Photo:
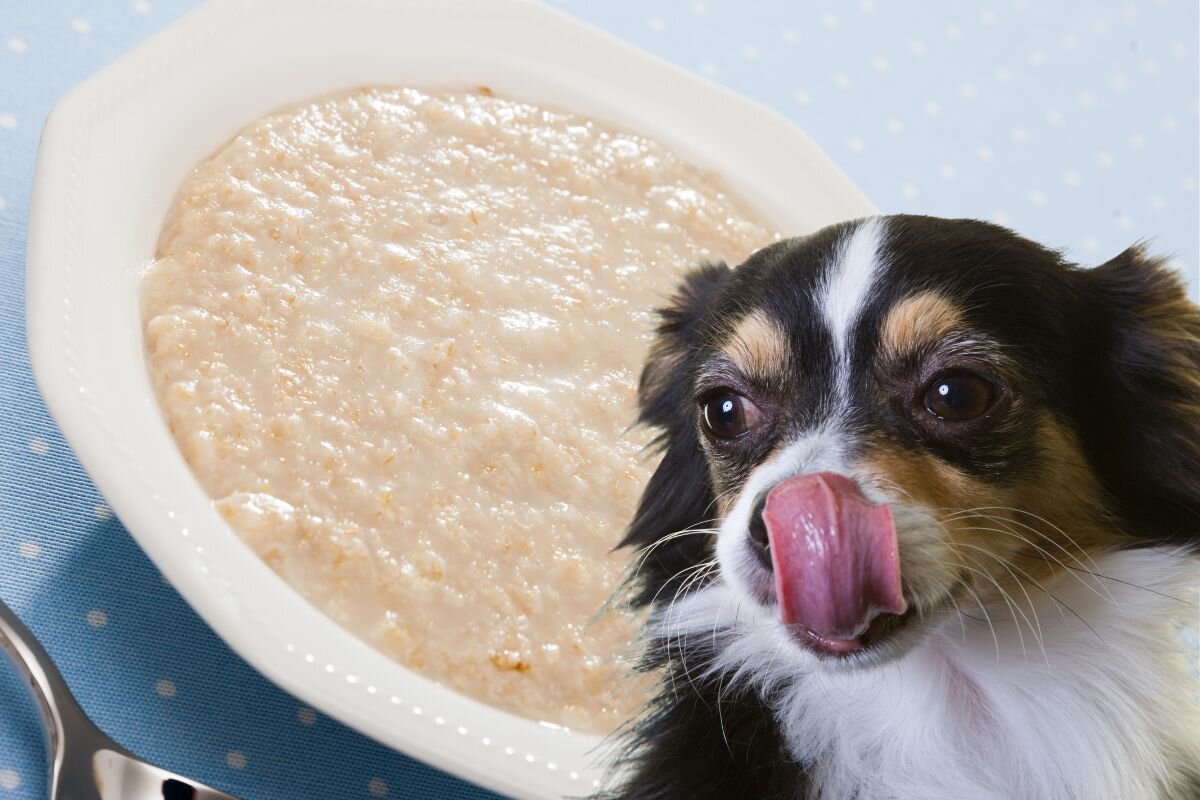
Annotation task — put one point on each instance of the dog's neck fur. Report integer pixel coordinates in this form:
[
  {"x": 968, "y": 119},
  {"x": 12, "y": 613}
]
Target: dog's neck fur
[{"x": 1086, "y": 691}]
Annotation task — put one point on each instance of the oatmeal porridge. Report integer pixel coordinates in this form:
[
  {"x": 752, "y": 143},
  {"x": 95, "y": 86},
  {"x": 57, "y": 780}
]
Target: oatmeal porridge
[{"x": 396, "y": 336}]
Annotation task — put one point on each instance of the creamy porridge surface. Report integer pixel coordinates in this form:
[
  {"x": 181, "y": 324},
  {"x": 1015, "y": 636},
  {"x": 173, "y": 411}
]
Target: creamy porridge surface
[{"x": 397, "y": 336}]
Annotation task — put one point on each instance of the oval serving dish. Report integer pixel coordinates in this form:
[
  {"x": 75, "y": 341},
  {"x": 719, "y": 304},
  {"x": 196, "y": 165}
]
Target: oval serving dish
[{"x": 112, "y": 156}]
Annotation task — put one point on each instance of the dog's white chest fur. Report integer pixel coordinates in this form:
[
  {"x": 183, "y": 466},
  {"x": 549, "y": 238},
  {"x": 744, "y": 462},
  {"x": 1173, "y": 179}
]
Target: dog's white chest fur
[{"x": 1090, "y": 696}]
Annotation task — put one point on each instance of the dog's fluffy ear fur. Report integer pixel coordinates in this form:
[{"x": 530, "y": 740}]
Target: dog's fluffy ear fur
[
  {"x": 1146, "y": 414},
  {"x": 679, "y": 495}
]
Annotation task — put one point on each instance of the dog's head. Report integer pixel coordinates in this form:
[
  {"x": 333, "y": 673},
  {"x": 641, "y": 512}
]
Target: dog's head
[{"x": 898, "y": 416}]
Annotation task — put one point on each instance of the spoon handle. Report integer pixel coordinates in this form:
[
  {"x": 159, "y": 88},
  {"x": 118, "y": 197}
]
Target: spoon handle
[
  {"x": 54, "y": 698},
  {"x": 92, "y": 766}
]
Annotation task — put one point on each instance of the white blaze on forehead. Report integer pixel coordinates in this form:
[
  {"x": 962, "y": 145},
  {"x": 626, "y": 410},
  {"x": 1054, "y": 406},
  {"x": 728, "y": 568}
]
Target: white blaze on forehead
[
  {"x": 848, "y": 283},
  {"x": 840, "y": 298}
]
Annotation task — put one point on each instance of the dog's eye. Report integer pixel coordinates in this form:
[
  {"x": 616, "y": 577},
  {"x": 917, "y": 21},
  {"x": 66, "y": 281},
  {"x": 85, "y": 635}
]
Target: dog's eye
[
  {"x": 728, "y": 416},
  {"x": 959, "y": 396}
]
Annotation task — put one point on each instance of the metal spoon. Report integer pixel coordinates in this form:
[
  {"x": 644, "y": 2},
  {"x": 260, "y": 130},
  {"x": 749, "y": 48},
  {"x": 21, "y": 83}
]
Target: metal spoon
[{"x": 84, "y": 763}]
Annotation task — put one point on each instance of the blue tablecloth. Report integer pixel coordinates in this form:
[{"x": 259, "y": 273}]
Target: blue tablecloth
[{"x": 1073, "y": 122}]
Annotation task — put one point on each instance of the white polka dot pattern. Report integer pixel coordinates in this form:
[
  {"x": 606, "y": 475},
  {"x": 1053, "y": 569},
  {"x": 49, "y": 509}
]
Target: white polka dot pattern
[{"x": 958, "y": 109}]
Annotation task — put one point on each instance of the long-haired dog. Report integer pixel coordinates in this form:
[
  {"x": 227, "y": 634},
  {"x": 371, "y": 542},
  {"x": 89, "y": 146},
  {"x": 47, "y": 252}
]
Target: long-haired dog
[{"x": 926, "y": 524}]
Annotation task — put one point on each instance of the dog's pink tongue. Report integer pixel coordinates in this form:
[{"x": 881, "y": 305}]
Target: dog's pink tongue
[{"x": 837, "y": 564}]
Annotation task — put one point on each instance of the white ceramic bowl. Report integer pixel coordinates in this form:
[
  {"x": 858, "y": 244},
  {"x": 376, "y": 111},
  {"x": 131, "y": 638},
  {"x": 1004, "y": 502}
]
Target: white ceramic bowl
[{"x": 112, "y": 155}]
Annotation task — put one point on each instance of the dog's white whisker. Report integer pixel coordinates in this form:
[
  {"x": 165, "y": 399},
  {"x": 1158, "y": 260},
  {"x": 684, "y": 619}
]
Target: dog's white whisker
[
  {"x": 1003, "y": 520},
  {"x": 1032, "y": 607},
  {"x": 1045, "y": 553},
  {"x": 1013, "y": 607}
]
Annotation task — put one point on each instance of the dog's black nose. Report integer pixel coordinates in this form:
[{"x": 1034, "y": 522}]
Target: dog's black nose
[{"x": 759, "y": 542}]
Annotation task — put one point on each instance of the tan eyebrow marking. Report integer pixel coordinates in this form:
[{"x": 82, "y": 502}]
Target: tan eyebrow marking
[
  {"x": 918, "y": 321},
  {"x": 758, "y": 346}
]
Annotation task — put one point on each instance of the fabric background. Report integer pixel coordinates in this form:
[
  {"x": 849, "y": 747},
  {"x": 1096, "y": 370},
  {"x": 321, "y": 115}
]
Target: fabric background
[{"x": 1073, "y": 122}]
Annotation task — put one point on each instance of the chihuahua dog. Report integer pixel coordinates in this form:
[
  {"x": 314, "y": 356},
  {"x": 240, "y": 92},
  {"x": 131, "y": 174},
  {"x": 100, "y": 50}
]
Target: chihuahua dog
[{"x": 926, "y": 525}]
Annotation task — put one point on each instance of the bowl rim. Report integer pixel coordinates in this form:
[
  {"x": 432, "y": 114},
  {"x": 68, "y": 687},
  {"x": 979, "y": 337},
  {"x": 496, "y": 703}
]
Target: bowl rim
[{"x": 118, "y": 436}]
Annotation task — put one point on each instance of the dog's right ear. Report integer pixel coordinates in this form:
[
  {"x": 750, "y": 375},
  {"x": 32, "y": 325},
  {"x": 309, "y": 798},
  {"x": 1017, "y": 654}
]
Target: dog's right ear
[
  {"x": 1146, "y": 413},
  {"x": 679, "y": 495}
]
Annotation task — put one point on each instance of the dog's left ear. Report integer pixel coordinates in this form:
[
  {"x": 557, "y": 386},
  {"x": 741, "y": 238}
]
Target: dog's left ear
[
  {"x": 1148, "y": 407},
  {"x": 679, "y": 495}
]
